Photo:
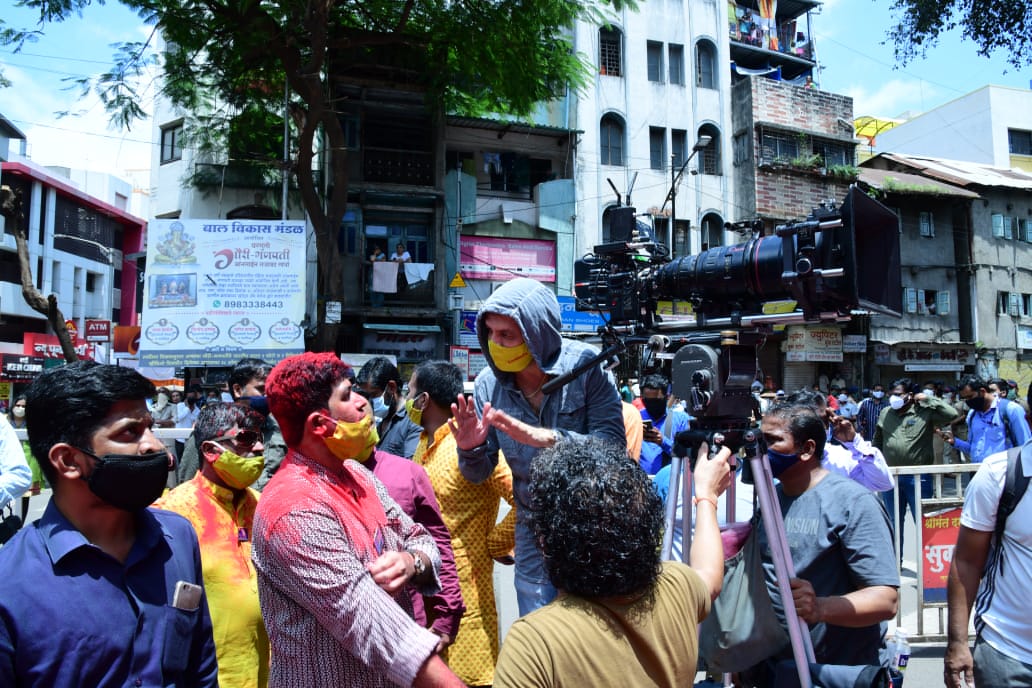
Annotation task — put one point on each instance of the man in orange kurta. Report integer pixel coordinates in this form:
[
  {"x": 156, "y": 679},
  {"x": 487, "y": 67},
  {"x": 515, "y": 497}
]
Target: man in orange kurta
[{"x": 220, "y": 505}]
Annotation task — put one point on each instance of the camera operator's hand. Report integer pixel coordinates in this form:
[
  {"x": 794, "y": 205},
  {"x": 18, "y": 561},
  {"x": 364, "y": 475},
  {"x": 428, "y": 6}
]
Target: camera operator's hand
[
  {"x": 842, "y": 429},
  {"x": 806, "y": 602},
  {"x": 712, "y": 475}
]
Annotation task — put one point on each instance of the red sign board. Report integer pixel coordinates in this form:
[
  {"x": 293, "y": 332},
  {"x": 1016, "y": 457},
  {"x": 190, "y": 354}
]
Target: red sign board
[
  {"x": 48, "y": 346},
  {"x": 98, "y": 330},
  {"x": 939, "y": 532}
]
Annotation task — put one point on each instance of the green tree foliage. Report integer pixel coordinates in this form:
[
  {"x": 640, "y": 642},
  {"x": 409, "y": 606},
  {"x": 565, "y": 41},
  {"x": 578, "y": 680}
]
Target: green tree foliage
[
  {"x": 230, "y": 59},
  {"x": 993, "y": 25}
]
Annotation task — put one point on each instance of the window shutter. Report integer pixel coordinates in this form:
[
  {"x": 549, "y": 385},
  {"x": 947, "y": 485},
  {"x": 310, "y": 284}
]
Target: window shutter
[
  {"x": 927, "y": 225},
  {"x": 910, "y": 299},
  {"x": 1008, "y": 228},
  {"x": 921, "y": 309},
  {"x": 942, "y": 303},
  {"x": 1015, "y": 304},
  {"x": 997, "y": 225}
]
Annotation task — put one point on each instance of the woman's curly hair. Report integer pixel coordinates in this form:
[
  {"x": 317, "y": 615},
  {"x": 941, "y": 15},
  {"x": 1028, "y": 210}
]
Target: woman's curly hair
[{"x": 596, "y": 517}]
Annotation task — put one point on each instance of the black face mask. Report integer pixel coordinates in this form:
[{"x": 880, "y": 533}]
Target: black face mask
[
  {"x": 977, "y": 403},
  {"x": 128, "y": 481},
  {"x": 657, "y": 408}
]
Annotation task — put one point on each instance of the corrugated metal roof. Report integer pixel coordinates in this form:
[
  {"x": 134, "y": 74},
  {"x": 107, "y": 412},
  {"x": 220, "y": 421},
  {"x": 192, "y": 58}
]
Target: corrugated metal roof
[
  {"x": 905, "y": 183},
  {"x": 962, "y": 173}
]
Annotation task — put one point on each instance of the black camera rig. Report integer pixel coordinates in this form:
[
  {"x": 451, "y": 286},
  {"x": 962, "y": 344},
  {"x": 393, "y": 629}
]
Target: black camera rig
[{"x": 832, "y": 263}]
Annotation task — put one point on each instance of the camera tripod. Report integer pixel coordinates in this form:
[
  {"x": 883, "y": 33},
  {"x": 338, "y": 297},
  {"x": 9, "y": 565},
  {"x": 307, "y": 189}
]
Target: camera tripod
[{"x": 773, "y": 526}]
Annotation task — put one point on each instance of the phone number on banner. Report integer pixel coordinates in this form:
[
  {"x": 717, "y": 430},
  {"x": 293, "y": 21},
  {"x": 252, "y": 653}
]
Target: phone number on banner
[{"x": 247, "y": 304}]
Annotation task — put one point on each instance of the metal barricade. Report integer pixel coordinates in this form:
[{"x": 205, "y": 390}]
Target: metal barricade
[{"x": 948, "y": 482}]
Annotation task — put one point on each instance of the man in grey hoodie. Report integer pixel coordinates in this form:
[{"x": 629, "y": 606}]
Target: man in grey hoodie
[{"x": 519, "y": 331}]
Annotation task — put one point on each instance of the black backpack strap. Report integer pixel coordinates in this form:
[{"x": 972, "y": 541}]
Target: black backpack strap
[{"x": 1014, "y": 487}]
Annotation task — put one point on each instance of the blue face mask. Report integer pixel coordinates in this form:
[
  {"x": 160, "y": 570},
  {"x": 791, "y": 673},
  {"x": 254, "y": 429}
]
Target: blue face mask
[
  {"x": 779, "y": 463},
  {"x": 379, "y": 407}
]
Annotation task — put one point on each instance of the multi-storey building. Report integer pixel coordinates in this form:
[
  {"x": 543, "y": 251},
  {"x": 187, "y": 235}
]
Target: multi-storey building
[
  {"x": 989, "y": 126},
  {"x": 81, "y": 248},
  {"x": 992, "y": 237}
]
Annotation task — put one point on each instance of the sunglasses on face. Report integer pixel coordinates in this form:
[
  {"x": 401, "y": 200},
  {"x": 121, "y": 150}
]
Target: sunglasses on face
[{"x": 245, "y": 439}]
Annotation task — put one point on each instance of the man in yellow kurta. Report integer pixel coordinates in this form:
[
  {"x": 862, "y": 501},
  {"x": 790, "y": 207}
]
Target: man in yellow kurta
[
  {"x": 220, "y": 505},
  {"x": 470, "y": 512}
]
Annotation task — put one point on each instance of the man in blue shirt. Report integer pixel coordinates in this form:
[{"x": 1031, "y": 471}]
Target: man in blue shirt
[
  {"x": 661, "y": 424},
  {"x": 995, "y": 424},
  {"x": 102, "y": 591}
]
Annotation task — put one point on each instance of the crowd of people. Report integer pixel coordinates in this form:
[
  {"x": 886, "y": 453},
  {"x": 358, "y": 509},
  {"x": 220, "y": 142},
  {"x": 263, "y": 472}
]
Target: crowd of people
[{"x": 329, "y": 526}]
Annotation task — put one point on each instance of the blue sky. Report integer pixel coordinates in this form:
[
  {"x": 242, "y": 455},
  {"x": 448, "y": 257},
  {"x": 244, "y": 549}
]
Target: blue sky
[{"x": 850, "y": 38}]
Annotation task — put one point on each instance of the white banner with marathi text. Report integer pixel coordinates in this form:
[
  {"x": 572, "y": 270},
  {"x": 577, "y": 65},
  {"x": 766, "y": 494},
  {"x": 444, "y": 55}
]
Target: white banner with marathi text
[{"x": 219, "y": 290}]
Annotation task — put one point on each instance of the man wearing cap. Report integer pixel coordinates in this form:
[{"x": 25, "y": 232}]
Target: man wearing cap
[{"x": 847, "y": 407}]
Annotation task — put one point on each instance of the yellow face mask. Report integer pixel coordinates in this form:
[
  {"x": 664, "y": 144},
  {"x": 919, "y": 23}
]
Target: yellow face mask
[
  {"x": 414, "y": 414},
  {"x": 238, "y": 471},
  {"x": 510, "y": 359},
  {"x": 353, "y": 440}
]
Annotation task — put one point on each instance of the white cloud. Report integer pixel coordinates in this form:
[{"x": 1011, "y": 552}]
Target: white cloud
[{"x": 893, "y": 98}]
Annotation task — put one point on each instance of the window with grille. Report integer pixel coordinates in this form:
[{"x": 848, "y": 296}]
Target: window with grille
[
  {"x": 709, "y": 157},
  {"x": 778, "y": 147},
  {"x": 610, "y": 60},
  {"x": 1020, "y": 141},
  {"x": 833, "y": 153}
]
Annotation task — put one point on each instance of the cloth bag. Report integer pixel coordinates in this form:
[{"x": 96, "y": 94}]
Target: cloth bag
[{"x": 742, "y": 628}]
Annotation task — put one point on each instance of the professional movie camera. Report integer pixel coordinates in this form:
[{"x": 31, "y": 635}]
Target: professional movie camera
[{"x": 835, "y": 261}]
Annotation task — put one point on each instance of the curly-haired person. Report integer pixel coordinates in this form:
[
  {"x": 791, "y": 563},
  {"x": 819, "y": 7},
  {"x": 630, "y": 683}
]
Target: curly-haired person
[{"x": 622, "y": 617}]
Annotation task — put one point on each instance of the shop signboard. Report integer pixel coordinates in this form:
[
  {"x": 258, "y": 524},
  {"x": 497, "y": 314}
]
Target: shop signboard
[
  {"x": 501, "y": 259},
  {"x": 813, "y": 343}
]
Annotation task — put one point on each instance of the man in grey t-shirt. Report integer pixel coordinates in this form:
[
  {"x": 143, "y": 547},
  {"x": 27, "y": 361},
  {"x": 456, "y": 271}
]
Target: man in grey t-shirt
[{"x": 839, "y": 538}]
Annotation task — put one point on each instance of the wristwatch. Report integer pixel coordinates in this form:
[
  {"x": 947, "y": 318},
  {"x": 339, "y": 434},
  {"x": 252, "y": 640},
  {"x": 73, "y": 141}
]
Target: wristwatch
[{"x": 418, "y": 567}]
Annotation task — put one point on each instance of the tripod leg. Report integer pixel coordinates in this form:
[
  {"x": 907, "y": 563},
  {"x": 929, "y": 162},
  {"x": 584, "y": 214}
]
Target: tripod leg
[
  {"x": 774, "y": 527},
  {"x": 687, "y": 529},
  {"x": 671, "y": 508}
]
